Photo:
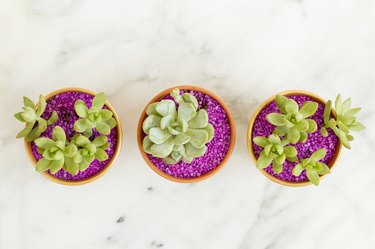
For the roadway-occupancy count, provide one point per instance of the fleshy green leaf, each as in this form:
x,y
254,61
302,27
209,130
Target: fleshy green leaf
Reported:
x,y
312,126
281,102
325,169
302,126
166,121
263,161
303,137
158,136
274,139
188,98
151,109
111,123
149,122
313,177
276,119
198,138
327,112
81,108
100,140
280,159
293,135
70,150
346,105
44,143
42,165
103,128
105,114
53,118
80,125
99,100
193,151
308,109
186,111
162,150
324,132
297,170
290,151
28,102
29,114
318,155
277,168
42,106
200,120
58,134
166,107
101,155
34,134
26,130
338,105
181,139
261,141
357,126
210,131
56,165
146,144
18,116
42,125
291,107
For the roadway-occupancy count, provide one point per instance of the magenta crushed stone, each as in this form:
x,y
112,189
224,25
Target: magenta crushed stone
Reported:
x,y
63,104
314,142
216,149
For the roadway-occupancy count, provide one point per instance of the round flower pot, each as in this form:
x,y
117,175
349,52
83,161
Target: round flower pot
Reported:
x,y
219,149
62,101
259,126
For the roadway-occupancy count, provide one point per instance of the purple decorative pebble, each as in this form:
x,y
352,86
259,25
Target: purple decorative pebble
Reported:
x,y
63,104
314,142
216,149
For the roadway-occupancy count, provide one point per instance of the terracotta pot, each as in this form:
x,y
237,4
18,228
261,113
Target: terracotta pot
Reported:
x,y
159,97
109,164
250,131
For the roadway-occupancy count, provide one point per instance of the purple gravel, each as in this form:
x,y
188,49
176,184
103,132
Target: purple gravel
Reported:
x,y
63,104
216,149
314,142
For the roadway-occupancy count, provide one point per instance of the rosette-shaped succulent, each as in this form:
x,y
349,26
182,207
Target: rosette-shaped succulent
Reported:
x,y
31,115
313,167
176,132
274,152
87,152
345,121
95,117
55,152
293,122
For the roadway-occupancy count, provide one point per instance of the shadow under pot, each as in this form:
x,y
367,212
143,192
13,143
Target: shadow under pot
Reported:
x,y
285,141
94,152
186,134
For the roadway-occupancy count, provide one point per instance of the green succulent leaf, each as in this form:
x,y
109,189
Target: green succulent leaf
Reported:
x,y
100,141
281,102
44,143
42,106
151,109
34,134
181,139
53,118
357,126
80,125
188,98
56,165
103,128
58,134
290,151
99,100
318,155
101,155
276,119
200,120
277,168
193,151
28,102
81,108
313,177
291,107
308,109
166,121
261,141
162,150
327,112
26,130
293,135
166,107
338,105
158,135
42,165
198,138
105,114
297,170
264,161
186,111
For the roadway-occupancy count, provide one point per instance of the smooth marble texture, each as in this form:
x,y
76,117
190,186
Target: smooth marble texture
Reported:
x,y
244,51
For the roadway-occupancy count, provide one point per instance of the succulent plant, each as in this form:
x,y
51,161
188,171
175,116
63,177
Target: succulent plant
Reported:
x,y
31,115
176,133
95,117
313,167
55,152
275,151
344,122
293,122
87,152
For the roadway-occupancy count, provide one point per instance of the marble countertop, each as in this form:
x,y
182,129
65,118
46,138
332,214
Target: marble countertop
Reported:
x,y
244,51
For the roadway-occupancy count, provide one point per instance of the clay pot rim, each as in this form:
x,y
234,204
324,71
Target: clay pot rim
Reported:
x,y
109,164
161,95
250,131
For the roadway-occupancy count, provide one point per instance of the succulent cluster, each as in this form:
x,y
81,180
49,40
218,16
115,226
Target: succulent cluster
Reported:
x,y
275,151
31,116
176,130
293,122
74,155
344,122
293,125
314,168
95,117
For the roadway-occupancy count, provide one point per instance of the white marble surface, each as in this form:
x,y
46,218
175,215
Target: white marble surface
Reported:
x,y
244,50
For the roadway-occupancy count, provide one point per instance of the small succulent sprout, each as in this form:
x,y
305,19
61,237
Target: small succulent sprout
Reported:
x,y
95,117
55,152
343,123
176,134
293,122
87,152
314,168
31,115
275,151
